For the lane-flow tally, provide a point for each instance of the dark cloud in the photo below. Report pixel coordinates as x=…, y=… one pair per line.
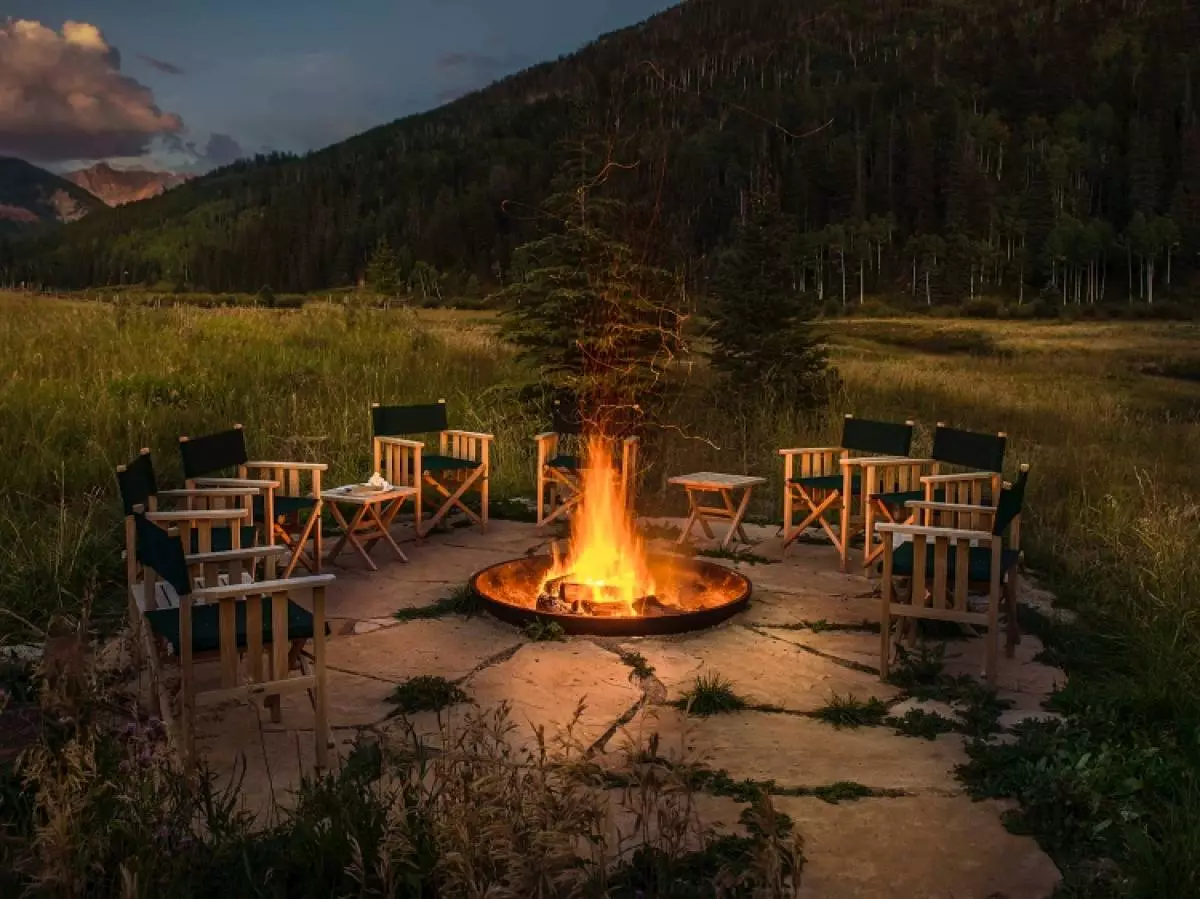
x=167, y=68
x=62, y=96
x=222, y=149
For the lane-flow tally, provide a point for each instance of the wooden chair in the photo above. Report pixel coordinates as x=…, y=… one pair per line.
x=234, y=619
x=828, y=480
x=285, y=508
x=562, y=465
x=889, y=489
x=462, y=462
x=956, y=547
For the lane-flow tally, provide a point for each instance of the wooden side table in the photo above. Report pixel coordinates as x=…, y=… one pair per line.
x=704, y=482
x=374, y=512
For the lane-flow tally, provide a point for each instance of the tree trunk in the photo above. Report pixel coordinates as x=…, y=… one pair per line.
x=861, y=287
x=842, y=262
x=928, y=295
x=1150, y=281
x=914, y=278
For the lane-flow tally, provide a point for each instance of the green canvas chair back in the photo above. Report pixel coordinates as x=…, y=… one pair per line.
x=969, y=449
x=212, y=453
x=565, y=418
x=137, y=483
x=404, y=421
x=880, y=438
x=1012, y=498
x=163, y=553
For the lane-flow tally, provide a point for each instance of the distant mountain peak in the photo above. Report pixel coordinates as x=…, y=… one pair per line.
x=29, y=195
x=116, y=186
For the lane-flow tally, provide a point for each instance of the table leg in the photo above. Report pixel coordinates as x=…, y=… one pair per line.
x=735, y=522
x=691, y=522
x=383, y=532
x=336, y=511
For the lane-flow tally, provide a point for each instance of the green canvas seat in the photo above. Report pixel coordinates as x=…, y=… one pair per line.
x=448, y=463
x=829, y=482
x=566, y=463
x=979, y=562
x=206, y=625
x=222, y=539
x=900, y=497
x=284, y=505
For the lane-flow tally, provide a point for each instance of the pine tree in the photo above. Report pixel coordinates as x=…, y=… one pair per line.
x=759, y=322
x=600, y=325
x=383, y=270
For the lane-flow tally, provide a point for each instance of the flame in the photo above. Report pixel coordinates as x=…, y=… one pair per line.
x=605, y=552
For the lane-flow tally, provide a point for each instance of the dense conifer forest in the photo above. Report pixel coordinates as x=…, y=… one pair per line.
x=941, y=149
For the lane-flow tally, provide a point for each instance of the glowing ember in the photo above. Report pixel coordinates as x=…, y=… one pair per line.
x=605, y=570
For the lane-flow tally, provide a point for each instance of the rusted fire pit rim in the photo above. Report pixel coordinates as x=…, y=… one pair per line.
x=625, y=626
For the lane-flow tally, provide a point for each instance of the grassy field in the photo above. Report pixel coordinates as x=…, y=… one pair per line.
x=1107, y=414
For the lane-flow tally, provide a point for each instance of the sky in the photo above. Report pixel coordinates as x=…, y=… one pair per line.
x=192, y=85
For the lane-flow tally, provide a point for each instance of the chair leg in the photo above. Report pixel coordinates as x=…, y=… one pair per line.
x=1013, y=629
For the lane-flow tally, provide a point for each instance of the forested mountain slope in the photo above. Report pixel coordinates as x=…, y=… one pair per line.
x=943, y=147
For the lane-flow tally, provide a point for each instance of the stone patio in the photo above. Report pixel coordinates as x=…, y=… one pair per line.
x=922, y=837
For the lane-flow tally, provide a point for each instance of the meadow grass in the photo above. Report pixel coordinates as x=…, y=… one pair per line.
x=1107, y=415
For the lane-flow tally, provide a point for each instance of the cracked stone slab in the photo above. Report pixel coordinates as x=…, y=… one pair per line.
x=449, y=647
x=360, y=597
x=918, y=847
x=1022, y=680
x=859, y=647
x=778, y=608
x=763, y=670
x=796, y=751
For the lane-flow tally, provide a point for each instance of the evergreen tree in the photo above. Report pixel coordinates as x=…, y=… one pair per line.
x=599, y=324
x=383, y=270
x=759, y=331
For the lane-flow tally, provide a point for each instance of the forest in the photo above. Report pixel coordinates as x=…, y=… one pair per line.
x=941, y=150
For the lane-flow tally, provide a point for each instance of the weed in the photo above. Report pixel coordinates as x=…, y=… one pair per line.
x=462, y=601
x=639, y=667
x=850, y=711
x=745, y=557
x=920, y=723
x=426, y=693
x=711, y=694
x=544, y=631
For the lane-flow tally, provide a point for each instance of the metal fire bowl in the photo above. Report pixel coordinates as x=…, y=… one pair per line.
x=490, y=584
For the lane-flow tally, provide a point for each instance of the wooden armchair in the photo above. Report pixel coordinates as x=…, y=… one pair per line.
x=284, y=507
x=234, y=619
x=562, y=465
x=891, y=488
x=461, y=464
x=824, y=481
x=954, y=548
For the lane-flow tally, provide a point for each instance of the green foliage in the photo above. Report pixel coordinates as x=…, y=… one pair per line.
x=921, y=676
x=462, y=601
x=759, y=331
x=850, y=711
x=637, y=663
x=383, y=269
x=711, y=694
x=545, y=631
x=920, y=723
x=426, y=693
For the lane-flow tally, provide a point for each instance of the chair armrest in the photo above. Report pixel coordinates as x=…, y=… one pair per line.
x=810, y=449
x=918, y=530
x=293, y=466
x=965, y=476
x=237, y=482
x=183, y=493
x=281, y=585
x=885, y=460
x=234, y=555
x=475, y=434
x=950, y=507
x=199, y=515
x=399, y=441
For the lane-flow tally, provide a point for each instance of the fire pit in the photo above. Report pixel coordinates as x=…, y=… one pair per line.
x=701, y=594
x=605, y=582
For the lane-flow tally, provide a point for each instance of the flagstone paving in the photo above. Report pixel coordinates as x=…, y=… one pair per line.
x=805, y=638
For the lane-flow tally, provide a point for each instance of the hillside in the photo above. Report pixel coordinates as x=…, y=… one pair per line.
x=940, y=148
x=117, y=187
x=30, y=195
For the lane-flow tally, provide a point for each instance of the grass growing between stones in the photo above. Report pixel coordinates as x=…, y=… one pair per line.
x=711, y=694
x=850, y=711
x=921, y=676
x=461, y=601
x=719, y=783
x=920, y=723
x=545, y=631
x=746, y=557
x=426, y=693
x=639, y=667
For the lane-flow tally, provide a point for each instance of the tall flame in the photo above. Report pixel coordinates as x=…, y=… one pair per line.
x=605, y=553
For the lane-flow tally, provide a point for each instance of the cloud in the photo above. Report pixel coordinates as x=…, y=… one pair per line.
x=220, y=150
x=167, y=68
x=62, y=96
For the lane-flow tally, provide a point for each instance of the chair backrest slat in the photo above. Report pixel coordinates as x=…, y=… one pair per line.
x=162, y=553
x=883, y=438
x=970, y=449
x=213, y=452
x=402, y=421
x=137, y=483
x=1012, y=498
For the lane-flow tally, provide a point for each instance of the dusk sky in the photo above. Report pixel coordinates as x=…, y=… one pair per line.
x=197, y=89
